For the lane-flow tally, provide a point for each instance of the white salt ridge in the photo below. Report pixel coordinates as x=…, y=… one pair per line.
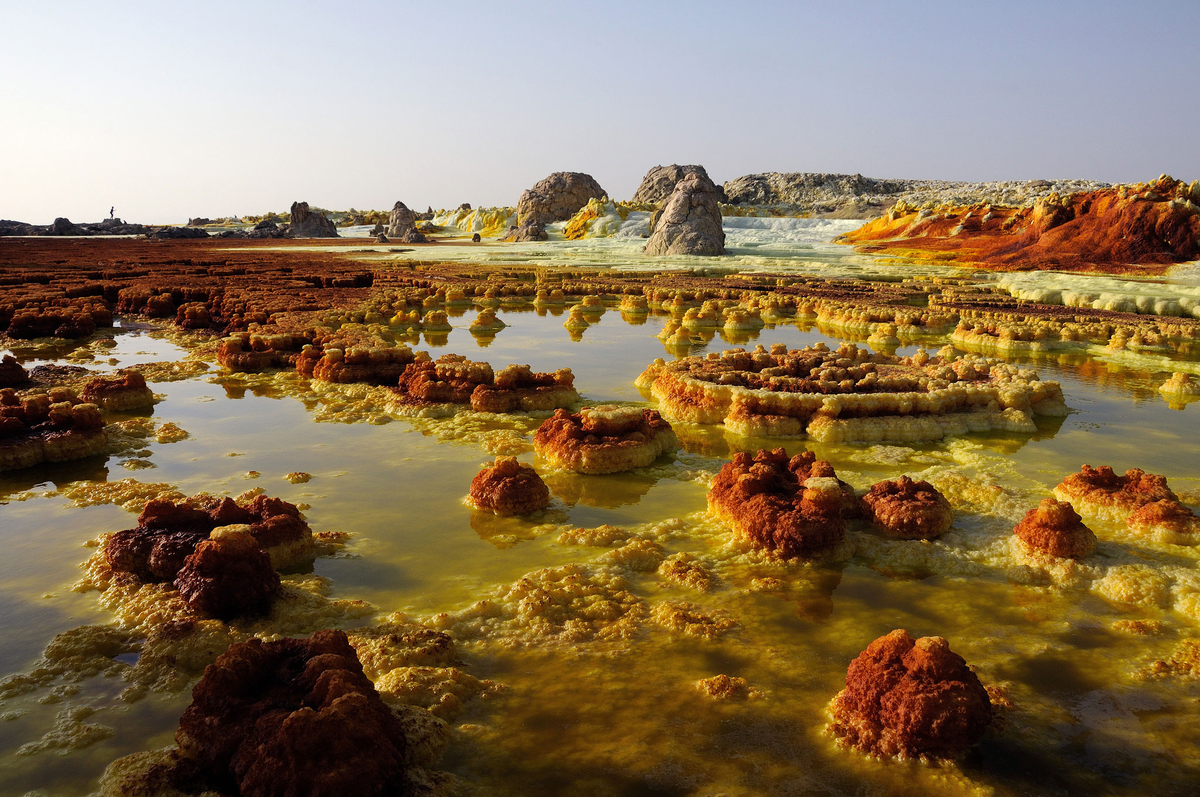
x=1178, y=294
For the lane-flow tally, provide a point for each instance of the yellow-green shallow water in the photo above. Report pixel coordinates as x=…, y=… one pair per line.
x=625, y=717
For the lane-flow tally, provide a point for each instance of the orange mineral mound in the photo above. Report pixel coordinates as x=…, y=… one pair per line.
x=509, y=488
x=907, y=509
x=794, y=506
x=453, y=379
x=1054, y=528
x=47, y=427
x=125, y=391
x=910, y=699
x=1166, y=521
x=1127, y=229
x=605, y=439
x=1102, y=493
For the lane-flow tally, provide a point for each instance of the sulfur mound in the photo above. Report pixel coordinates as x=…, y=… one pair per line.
x=293, y=716
x=509, y=488
x=794, y=506
x=850, y=395
x=1166, y=521
x=605, y=439
x=126, y=391
x=910, y=699
x=1104, y=494
x=168, y=532
x=1055, y=529
x=907, y=509
x=228, y=575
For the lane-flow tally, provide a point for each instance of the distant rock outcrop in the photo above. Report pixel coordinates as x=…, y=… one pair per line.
x=307, y=224
x=660, y=181
x=690, y=223
x=178, y=232
x=402, y=225
x=557, y=198
x=528, y=231
x=855, y=196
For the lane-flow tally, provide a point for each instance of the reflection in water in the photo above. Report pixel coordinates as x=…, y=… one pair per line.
x=624, y=715
x=607, y=492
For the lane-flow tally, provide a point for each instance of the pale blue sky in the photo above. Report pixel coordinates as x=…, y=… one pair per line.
x=174, y=110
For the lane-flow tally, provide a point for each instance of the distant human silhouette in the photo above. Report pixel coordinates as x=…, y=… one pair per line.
x=111, y=211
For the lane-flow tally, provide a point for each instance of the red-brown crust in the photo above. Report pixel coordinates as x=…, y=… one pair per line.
x=293, y=716
x=603, y=439
x=125, y=391
x=912, y=699
x=228, y=577
x=1055, y=528
x=907, y=509
x=763, y=497
x=12, y=373
x=509, y=488
x=1165, y=515
x=1102, y=488
x=168, y=532
x=453, y=379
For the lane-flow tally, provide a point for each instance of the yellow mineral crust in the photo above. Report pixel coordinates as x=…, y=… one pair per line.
x=690, y=619
x=486, y=323
x=724, y=687
x=684, y=570
x=849, y=395
x=558, y=605
x=1180, y=386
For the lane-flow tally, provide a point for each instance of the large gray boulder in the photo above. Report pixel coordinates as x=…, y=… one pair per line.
x=63, y=226
x=690, y=223
x=558, y=197
x=528, y=231
x=660, y=181
x=307, y=224
x=402, y=225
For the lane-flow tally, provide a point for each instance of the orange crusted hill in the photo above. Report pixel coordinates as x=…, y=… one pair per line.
x=1134, y=229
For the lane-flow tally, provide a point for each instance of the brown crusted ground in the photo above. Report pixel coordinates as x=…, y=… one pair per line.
x=509, y=488
x=766, y=500
x=912, y=699
x=910, y=510
x=235, y=282
x=1139, y=229
x=1055, y=528
x=294, y=716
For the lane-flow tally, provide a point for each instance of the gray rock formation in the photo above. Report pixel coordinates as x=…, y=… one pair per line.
x=266, y=229
x=855, y=196
x=660, y=181
x=690, y=223
x=528, y=231
x=62, y=226
x=178, y=232
x=557, y=198
x=402, y=225
x=381, y=239
x=306, y=224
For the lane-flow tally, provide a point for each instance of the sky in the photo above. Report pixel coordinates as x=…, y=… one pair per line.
x=168, y=110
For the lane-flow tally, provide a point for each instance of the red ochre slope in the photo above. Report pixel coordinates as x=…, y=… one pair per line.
x=1127, y=229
